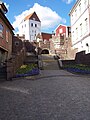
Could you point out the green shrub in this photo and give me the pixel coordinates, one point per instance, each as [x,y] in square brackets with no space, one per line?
[25,68]
[78,66]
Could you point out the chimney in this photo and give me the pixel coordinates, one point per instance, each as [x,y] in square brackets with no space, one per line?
[3,7]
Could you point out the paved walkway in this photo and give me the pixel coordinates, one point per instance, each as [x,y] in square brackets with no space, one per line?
[53,95]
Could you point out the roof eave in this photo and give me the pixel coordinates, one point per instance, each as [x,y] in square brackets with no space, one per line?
[74,7]
[7,21]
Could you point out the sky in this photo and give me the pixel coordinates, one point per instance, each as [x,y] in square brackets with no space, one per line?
[50,12]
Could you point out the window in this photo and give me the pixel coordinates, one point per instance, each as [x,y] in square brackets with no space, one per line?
[81,29]
[31,24]
[17,43]
[7,35]
[76,33]
[61,30]
[72,18]
[73,36]
[85,3]
[33,18]
[80,8]
[76,13]
[35,25]
[86,24]
[1,30]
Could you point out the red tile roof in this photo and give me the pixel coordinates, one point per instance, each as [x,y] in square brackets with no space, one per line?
[28,16]
[31,16]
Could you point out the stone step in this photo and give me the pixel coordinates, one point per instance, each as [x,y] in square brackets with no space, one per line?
[31,58]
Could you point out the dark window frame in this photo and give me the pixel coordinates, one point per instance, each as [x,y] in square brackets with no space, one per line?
[35,25]
[31,24]
[1,30]
[16,43]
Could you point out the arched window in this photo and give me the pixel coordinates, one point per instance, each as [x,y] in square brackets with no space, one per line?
[1,30]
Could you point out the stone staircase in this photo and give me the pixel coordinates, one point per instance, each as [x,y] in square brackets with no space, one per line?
[31,58]
[3,73]
[49,62]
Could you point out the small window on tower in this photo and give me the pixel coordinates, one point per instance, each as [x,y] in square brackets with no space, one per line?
[31,24]
[35,25]
[33,18]
[17,43]
[61,30]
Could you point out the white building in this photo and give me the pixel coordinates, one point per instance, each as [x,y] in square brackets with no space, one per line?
[30,27]
[80,25]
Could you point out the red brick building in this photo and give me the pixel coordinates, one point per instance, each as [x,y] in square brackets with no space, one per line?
[6,33]
[46,36]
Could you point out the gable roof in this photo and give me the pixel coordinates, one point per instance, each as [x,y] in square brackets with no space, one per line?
[59,26]
[31,16]
[28,16]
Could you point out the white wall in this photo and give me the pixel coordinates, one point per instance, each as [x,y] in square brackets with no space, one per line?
[29,31]
[80,26]
[34,31]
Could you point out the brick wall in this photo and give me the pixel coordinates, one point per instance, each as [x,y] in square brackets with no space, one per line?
[6,44]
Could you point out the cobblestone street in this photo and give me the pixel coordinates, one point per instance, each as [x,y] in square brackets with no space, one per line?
[52,95]
[60,97]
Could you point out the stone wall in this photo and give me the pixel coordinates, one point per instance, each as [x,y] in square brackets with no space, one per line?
[82,58]
[17,44]
[14,63]
[64,50]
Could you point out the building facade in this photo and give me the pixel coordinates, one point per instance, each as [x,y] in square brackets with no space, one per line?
[80,25]
[62,33]
[61,42]
[6,34]
[30,27]
[63,30]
